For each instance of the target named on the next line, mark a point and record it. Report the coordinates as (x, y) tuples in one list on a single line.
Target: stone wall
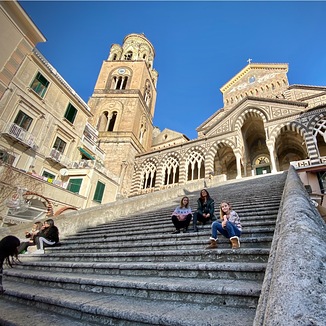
[(72, 222), (294, 288)]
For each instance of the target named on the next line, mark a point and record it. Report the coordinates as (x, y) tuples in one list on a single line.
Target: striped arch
[(290, 126), (195, 163), (314, 123), (247, 113), (171, 168), (148, 173), (288, 143), (316, 127), (213, 150)]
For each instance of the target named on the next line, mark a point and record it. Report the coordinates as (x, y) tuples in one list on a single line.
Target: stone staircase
[(133, 271)]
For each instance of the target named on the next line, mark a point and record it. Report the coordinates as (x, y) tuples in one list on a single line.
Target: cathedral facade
[(265, 124)]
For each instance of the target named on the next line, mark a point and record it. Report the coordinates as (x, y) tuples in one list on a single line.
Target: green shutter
[(74, 185), (98, 195)]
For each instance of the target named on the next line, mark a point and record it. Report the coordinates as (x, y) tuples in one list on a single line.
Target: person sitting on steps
[(182, 215), (31, 235), (230, 226), (205, 209), (48, 236)]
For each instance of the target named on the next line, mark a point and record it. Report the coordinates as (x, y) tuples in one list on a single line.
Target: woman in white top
[(182, 215)]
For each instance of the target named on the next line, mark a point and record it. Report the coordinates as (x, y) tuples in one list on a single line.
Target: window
[(112, 121), (128, 56), (99, 191), (48, 175), (74, 185), (71, 113), (6, 157), (40, 84), (59, 145), (120, 82), (23, 120)]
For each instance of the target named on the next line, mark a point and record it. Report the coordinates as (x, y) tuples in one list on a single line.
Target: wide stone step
[(259, 255), (156, 244), (160, 213), (120, 310), (232, 293), (13, 313), (156, 232), (203, 270), (246, 220), (133, 239)]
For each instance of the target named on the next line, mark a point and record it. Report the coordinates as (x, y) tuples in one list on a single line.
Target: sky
[(199, 46)]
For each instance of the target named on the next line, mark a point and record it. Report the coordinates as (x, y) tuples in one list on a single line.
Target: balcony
[(307, 163), (17, 133), (91, 145), (58, 157), (92, 164)]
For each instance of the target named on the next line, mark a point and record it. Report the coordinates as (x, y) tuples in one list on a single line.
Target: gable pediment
[(271, 109), (256, 79)]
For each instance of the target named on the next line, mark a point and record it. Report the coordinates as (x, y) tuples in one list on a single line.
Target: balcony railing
[(92, 164), (91, 145), (58, 157), (20, 134), (307, 162)]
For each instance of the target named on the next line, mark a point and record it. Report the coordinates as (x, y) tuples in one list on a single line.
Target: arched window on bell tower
[(107, 121), (112, 121), (120, 82), (142, 132), (119, 79), (147, 94), (128, 56)]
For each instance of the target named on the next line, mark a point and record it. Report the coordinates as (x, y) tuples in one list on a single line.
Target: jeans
[(41, 243), (229, 231)]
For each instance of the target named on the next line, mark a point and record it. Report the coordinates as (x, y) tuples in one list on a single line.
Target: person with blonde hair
[(30, 235), (182, 215), (229, 226)]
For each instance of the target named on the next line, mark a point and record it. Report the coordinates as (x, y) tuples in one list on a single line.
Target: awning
[(86, 154)]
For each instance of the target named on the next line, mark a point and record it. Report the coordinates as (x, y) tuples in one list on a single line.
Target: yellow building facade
[(47, 144)]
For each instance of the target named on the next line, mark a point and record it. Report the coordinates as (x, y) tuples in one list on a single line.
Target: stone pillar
[(238, 160), (270, 146)]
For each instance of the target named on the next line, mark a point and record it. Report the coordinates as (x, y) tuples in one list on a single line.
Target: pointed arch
[(171, 169), (289, 145), (148, 175), (195, 164)]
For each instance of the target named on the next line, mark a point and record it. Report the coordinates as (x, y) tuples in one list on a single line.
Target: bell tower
[(123, 105)]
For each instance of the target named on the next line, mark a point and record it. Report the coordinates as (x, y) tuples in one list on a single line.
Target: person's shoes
[(235, 242), (38, 252), (26, 252), (213, 244), (176, 231), (185, 230), (195, 228)]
